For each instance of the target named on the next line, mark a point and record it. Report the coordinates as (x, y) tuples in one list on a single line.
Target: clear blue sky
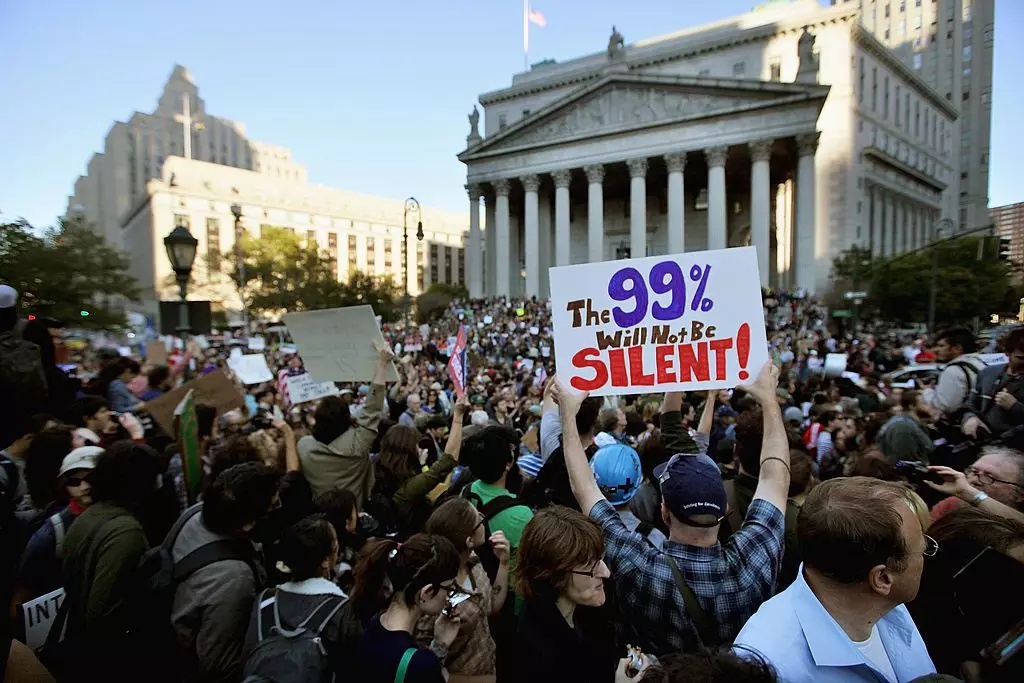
[(371, 95)]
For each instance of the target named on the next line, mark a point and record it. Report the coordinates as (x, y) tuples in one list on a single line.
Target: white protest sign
[(337, 344), (257, 344), (251, 369), (302, 388), (682, 322), (37, 616), (124, 350), (488, 320), (236, 352), (835, 364), (287, 349)]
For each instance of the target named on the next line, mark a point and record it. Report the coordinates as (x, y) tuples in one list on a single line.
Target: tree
[(381, 292), (899, 288), (65, 271)]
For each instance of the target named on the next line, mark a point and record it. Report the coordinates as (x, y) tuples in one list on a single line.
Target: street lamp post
[(411, 205), (236, 210), (181, 251), (942, 229)]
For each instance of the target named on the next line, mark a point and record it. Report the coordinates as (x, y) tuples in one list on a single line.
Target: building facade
[(949, 45), (1009, 222), (790, 128), (151, 177)]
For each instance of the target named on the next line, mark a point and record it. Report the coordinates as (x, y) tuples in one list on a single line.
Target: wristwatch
[(979, 498)]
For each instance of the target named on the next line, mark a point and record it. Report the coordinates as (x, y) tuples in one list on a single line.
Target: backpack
[(381, 505), (21, 370), (295, 655), (497, 505), (156, 579), (552, 485)]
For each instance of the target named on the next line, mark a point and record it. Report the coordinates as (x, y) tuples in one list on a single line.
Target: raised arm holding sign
[(682, 322)]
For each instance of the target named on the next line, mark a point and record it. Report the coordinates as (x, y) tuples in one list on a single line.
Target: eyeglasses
[(931, 546), (986, 478), (77, 481), (592, 572)]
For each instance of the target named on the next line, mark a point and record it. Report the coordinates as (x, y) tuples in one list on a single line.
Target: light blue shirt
[(804, 644)]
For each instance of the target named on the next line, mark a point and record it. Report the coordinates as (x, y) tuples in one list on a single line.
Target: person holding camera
[(996, 406)]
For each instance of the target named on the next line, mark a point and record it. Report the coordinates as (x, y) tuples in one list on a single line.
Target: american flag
[(282, 383), (457, 362)]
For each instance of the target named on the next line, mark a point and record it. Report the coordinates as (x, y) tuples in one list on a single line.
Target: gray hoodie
[(211, 609), (955, 383)]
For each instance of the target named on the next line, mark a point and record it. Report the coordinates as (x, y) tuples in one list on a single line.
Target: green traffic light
[(84, 314)]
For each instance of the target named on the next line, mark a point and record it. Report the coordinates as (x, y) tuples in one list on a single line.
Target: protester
[(863, 550), (996, 406), (956, 348), (904, 436)]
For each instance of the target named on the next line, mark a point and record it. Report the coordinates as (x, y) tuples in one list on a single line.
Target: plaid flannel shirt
[(730, 579)]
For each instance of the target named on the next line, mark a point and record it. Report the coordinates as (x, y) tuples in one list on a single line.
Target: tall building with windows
[(1009, 222), (949, 45), (151, 178)]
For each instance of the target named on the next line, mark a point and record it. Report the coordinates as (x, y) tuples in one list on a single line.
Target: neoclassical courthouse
[(790, 128)]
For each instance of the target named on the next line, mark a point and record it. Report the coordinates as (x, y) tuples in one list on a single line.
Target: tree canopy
[(898, 288), (65, 270)]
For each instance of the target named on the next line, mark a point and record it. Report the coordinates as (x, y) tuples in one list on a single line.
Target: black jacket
[(549, 650)]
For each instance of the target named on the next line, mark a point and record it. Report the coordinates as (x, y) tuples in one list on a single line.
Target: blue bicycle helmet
[(617, 470)]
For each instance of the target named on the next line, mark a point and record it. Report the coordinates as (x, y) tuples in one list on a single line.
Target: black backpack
[(295, 655), (157, 578), (497, 505), (381, 505)]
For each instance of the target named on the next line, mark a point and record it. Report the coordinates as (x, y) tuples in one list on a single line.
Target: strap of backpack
[(259, 611), (172, 535), (705, 624), (403, 665), (58, 534), (330, 613), (498, 505), (228, 549)]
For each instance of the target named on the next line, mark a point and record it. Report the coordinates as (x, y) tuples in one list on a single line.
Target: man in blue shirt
[(844, 618)]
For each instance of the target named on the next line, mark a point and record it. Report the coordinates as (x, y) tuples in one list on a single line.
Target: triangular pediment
[(624, 102)]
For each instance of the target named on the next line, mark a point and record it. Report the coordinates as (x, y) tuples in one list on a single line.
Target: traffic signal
[(31, 317), (1004, 248), (84, 314)]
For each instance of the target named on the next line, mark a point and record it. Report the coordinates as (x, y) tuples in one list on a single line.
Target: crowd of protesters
[(810, 526)]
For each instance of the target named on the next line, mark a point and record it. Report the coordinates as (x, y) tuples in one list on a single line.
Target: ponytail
[(387, 570)]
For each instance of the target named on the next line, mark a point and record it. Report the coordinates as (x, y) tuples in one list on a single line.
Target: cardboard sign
[(187, 430), (215, 388), (457, 362), (257, 344), (303, 388), (251, 369), (156, 352), (683, 322), (36, 617), (337, 344)]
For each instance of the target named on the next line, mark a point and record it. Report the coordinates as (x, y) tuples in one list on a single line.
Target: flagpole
[(526, 35)]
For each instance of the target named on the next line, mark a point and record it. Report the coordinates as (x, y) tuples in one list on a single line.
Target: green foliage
[(899, 288), (67, 269), (453, 291)]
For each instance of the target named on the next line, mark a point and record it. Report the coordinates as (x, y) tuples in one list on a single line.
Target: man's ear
[(880, 579), (666, 516)]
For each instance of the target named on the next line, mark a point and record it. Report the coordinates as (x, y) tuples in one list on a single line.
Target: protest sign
[(835, 364), (337, 344), (251, 369), (214, 388), (682, 322), (156, 352), (287, 349), (302, 388), (257, 344), (125, 351), (36, 617), (457, 361), (187, 431)]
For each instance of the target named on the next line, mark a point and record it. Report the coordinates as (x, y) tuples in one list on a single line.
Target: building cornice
[(887, 57), (651, 56)]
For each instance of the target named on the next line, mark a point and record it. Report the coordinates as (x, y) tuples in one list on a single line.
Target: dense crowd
[(813, 525)]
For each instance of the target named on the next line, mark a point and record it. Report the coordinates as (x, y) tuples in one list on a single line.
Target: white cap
[(8, 296), (83, 458)]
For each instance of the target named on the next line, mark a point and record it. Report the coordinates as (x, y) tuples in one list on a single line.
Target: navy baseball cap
[(692, 485)]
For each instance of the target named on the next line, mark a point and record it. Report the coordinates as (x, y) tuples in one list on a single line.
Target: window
[(332, 251), (903, 5), (387, 254), (213, 244), (887, 11), (462, 266), (967, 53), (967, 72), (989, 34), (887, 34), (181, 221), (502, 123), (927, 117), (775, 71), (967, 11), (885, 112), (704, 72), (739, 69), (311, 239), (447, 265), (986, 98), (917, 118), (371, 251), (526, 112), (860, 78), (897, 105), (874, 89)]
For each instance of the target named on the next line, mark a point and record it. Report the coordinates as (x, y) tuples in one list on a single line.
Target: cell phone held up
[(916, 472), (453, 602)]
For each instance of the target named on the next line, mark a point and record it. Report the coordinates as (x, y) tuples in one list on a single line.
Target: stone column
[(760, 205), (717, 230), (905, 241), (531, 234), (502, 238), (595, 213), (562, 179), (877, 225), (890, 224), (490, 244), (807, 145), (474, 249), (676, 164), (547, 239), (637, 207)]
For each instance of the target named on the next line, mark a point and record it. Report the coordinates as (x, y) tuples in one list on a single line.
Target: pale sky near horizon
[(370, 96)]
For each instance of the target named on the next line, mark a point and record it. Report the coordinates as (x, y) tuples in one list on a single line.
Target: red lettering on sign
[(664, 359), (694, 367), (720, 346), (617, 363), (585, 358), (636, 368)]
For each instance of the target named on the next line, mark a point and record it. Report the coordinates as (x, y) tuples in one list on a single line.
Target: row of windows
[(924, 123)]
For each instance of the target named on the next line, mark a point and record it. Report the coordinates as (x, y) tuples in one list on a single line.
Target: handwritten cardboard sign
[(303, 388), (682, 322), (251, 369), (36, 617), (214, 388), (156, 352), (336, 344)]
